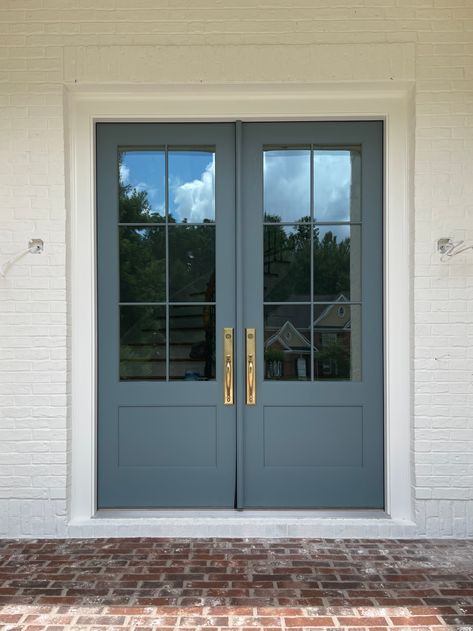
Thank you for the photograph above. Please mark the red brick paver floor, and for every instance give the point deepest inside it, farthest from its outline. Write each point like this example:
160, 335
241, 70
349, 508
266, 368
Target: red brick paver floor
225, 584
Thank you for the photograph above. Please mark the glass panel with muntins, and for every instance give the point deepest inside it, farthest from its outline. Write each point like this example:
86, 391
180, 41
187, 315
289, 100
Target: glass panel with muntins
192, 342
337, 184
191, 263
314, 265
337, 342
287, 345
142, 264
286, 184
191, 184
337, 263
142, 342
164, 265
287, 263
141, 185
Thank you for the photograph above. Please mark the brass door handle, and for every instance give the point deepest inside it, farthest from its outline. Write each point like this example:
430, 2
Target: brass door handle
228, 366
250, 366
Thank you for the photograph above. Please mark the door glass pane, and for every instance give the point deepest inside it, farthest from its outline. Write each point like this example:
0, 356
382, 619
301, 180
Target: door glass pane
192, 342
167, 264
191, 184
287, 263
337, 342
141, 186
192, 263
142, 342
142, 264
337, 263
316, 261
337, 184
286, 183
287, 346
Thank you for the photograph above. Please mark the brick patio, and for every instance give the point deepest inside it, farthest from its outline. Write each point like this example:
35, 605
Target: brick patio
235, 584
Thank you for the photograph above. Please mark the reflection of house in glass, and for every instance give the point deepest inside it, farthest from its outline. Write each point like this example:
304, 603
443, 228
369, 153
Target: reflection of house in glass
287, 351
288, 341
332, 340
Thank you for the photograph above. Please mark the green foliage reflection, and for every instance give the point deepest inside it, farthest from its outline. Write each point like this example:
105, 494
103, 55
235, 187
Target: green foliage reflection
287, 262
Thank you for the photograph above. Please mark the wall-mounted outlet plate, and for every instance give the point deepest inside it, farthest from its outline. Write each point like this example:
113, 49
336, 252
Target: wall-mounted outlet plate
444, 245
36, 246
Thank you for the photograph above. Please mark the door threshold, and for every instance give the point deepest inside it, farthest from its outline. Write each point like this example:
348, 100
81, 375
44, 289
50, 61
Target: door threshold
252, 513
229, 523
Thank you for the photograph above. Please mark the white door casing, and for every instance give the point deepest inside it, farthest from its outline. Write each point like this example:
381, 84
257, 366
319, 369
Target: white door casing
87, 105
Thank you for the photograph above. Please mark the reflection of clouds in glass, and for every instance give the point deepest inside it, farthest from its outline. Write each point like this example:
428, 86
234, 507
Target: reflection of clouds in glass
332, 185
137, 169
150, 190
152, 193
194, 201
287, 184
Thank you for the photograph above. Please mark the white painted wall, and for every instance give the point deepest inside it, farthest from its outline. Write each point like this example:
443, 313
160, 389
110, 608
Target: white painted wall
48, 44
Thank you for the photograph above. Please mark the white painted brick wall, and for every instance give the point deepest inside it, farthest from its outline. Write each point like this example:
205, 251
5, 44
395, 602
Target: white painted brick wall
34, 357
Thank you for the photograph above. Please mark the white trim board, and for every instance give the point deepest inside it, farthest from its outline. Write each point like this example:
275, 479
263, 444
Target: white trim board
392, 103
258, 524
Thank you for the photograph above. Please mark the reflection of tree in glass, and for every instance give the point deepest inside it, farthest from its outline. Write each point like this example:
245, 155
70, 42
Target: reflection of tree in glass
134, 205
336, 355
287, 261
270, 218
331, 264
142, 250
192, 263
142, 264
143, 279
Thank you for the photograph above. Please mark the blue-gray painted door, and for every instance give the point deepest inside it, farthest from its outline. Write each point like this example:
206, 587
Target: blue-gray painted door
165, 216
312, 205
271, 226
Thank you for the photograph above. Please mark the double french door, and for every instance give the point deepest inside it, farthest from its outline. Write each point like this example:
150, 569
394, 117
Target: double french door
240, 309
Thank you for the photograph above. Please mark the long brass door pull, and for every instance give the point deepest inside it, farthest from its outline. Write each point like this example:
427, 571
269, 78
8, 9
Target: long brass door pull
228, 366
250, 366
